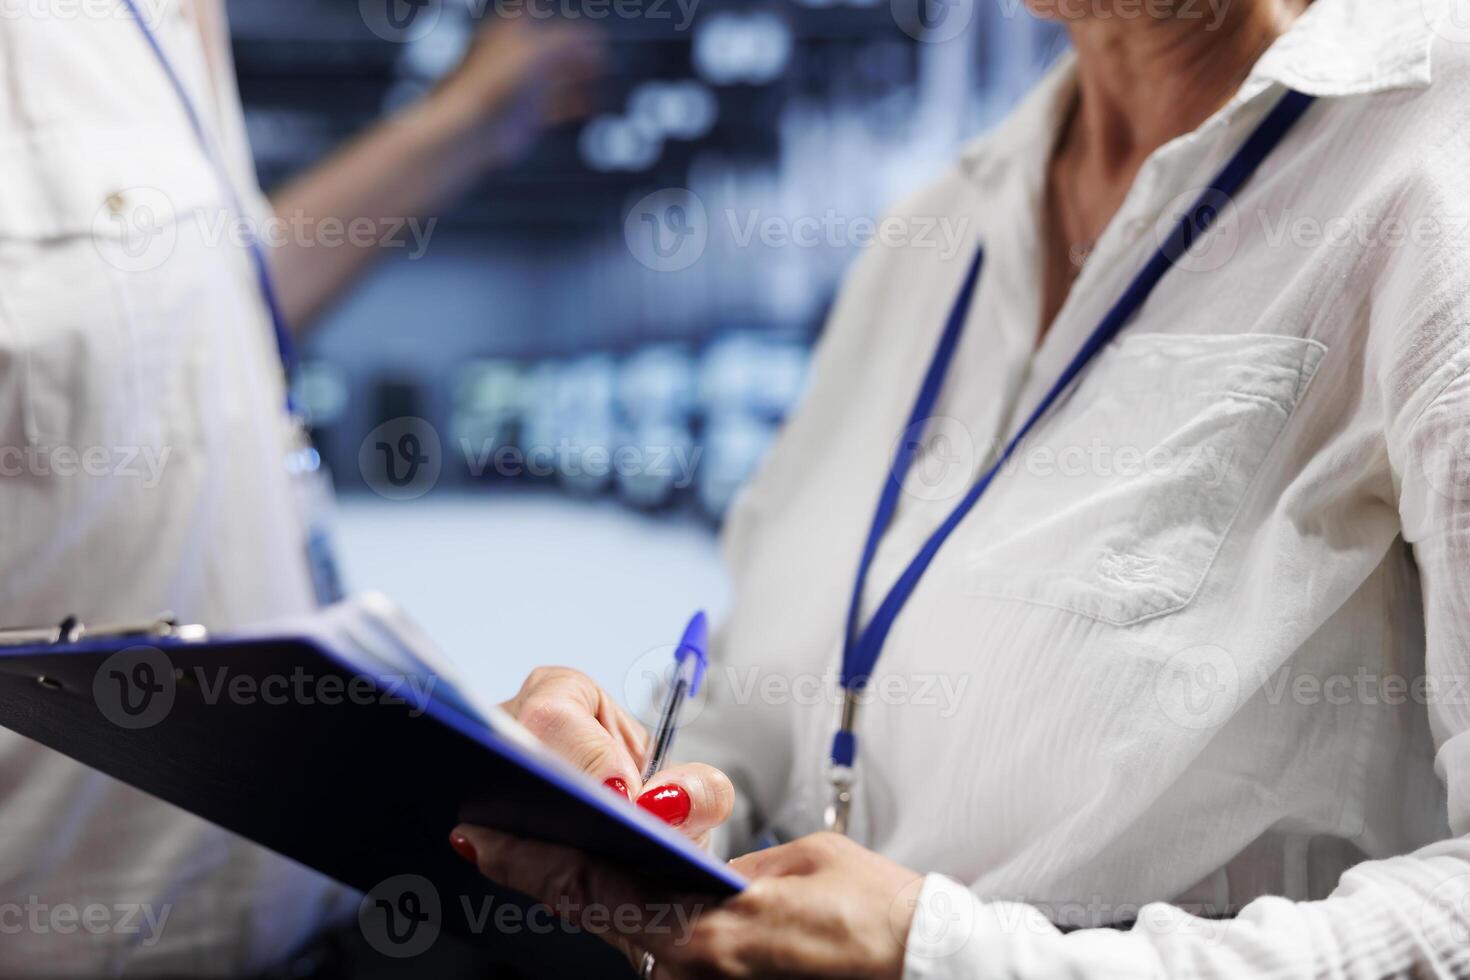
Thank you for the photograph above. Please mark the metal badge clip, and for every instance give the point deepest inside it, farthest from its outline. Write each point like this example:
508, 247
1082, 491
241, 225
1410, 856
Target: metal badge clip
840, 807
840, 774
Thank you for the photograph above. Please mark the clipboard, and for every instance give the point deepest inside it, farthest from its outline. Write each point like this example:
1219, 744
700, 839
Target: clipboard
337, 744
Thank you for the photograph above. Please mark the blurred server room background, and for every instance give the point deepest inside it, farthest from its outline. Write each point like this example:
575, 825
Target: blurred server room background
602, 341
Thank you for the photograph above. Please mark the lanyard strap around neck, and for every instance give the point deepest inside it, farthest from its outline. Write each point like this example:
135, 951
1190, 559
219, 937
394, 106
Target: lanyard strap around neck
862, 647
285, 343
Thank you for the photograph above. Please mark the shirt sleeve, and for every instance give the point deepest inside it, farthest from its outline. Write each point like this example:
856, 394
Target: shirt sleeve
1399, 917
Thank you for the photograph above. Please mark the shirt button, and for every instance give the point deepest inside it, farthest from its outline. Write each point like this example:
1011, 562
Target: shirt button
116, 202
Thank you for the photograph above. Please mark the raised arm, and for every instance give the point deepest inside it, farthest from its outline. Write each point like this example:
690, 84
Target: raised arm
517, 77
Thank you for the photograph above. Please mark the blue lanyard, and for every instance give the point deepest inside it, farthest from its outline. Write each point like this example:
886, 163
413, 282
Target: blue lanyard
863, 646
285, 344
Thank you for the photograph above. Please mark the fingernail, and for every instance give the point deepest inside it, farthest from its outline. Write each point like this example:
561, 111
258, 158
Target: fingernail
617, 785
670, 803
464, 848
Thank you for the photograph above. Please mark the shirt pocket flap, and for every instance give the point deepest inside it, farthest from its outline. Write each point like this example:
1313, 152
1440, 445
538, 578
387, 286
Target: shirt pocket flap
124, 187
1117, 504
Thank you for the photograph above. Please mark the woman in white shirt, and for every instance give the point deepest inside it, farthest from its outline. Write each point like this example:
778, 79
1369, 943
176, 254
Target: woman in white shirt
134, 336
1194, 667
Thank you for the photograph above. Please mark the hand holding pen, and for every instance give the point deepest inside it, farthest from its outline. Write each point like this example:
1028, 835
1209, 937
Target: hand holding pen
574, 717
690, 662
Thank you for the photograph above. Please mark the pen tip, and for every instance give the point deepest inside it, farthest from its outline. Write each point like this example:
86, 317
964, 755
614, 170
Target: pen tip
695, 645
697, 634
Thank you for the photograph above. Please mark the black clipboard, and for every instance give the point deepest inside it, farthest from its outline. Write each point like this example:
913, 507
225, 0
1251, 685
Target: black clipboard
326, 757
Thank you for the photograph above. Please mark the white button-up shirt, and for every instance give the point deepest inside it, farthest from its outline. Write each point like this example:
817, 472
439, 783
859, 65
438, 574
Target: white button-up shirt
141, 470
1207, 637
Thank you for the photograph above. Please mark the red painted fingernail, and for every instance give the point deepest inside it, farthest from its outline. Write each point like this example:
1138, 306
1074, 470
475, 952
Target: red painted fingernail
669, 803
464, 848
617, 785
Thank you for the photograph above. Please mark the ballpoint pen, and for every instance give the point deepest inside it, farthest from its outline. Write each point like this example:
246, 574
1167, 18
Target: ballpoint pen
690, 662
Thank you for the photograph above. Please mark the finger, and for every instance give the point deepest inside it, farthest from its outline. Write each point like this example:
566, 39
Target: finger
693, 797
559, 876
794, 858
626, 728
628, 732
570, 723
595, 896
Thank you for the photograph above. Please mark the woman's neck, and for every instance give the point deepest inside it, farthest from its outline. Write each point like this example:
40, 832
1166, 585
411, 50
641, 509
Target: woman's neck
1140, 83
1143, 81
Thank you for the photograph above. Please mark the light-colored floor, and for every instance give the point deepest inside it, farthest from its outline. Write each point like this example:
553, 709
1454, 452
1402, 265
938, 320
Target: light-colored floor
508, 582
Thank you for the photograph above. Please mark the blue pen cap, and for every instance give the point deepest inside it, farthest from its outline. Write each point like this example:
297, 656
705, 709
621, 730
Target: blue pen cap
694, 646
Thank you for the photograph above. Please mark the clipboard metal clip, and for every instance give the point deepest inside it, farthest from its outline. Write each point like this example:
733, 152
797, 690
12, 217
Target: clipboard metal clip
72, 630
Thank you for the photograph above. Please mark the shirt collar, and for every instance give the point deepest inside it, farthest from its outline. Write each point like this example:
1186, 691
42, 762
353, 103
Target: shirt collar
1354, 47
1336, 48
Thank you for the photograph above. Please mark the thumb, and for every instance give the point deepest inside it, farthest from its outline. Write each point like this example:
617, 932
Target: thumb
693, 797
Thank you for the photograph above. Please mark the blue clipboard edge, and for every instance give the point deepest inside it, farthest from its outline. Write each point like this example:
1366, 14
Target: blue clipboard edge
564, 778
474, 728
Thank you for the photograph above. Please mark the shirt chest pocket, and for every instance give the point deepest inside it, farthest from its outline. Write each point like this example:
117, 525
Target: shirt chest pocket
1117, 505
104, 247
99, 280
